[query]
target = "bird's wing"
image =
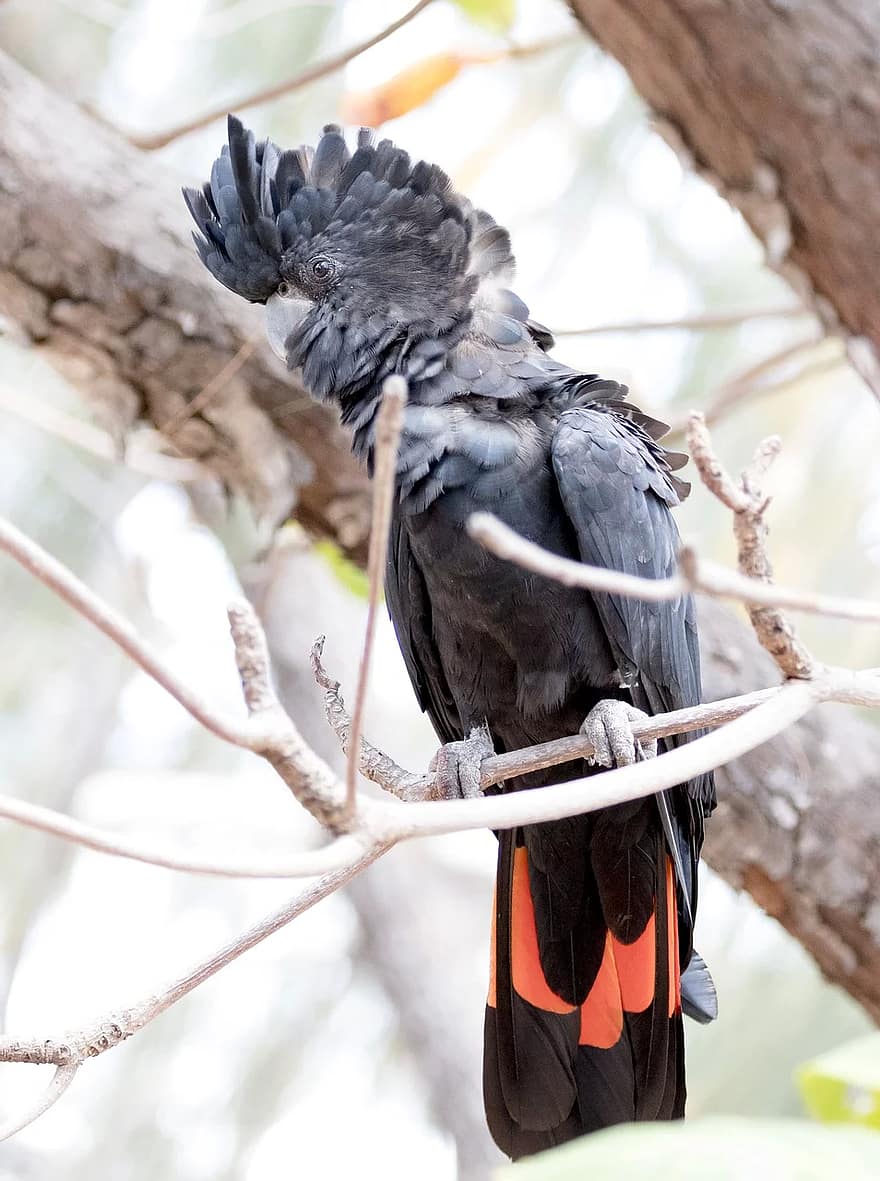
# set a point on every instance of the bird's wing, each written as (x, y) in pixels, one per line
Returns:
(410, 610)
(617, 488)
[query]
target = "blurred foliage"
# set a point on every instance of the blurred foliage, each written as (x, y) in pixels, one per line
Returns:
(720, 1149)
(352, 577)
(497, 15)
(843, 1086)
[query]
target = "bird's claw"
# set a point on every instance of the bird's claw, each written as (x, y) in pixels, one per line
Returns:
(456, 765)
(609, 727)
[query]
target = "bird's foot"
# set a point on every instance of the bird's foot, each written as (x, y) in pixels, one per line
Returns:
(609, 727)
(457, 765)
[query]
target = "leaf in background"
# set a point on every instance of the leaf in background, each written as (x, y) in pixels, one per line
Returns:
(843, 1086)
(351, 576)
(407, 90)
(721, 1148)
(497, 15)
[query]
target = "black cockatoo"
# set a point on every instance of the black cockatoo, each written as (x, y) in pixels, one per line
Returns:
(370, 264)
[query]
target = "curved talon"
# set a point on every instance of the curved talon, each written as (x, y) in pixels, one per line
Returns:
(457, 765)
(608, 726)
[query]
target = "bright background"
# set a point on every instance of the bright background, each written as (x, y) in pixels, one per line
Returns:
(296, 1060)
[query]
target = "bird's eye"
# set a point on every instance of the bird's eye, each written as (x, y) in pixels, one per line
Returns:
(284, 289)
(321, 268)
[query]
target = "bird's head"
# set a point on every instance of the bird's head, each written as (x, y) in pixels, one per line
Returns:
(366, 261)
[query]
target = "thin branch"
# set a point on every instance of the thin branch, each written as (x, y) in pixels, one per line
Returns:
(322, 69)
(695, 573)
(212, 387)
(61, 1080)
(64, 583)
(373, 763)
(310, 863)
(498, 768)
(703, 322)
(389, 424)
(71, 1049)
(748, 504)
(602, 790)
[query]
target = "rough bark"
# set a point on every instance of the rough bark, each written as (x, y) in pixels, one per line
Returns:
(100, 273)
(777, 103)
(97, 269)
(797, 823)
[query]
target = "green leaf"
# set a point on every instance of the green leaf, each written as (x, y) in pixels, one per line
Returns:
(497, 15)
(843, 1086)
(351, 576)
(723, 1148)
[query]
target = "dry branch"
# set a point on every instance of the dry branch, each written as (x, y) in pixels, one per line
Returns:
(389, 424)
(748, 504)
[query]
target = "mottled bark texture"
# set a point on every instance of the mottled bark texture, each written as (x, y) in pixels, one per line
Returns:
(777, 103)
(99, 272)
(798, 819)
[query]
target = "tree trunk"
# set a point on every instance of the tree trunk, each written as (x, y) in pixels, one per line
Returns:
(777, 103)
(101, 274)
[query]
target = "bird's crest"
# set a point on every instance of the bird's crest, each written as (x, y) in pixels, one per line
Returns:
(261, 202)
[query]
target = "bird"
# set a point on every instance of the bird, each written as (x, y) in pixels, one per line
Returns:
(371, 264)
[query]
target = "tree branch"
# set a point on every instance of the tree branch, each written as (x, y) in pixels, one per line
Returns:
(748, 505)
(70, 1050)
(389, 424)
(696, 574)
(742, 99)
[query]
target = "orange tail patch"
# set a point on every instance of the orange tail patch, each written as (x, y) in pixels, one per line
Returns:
(625, 982)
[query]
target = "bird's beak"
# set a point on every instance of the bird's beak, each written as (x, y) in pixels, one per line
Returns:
(283, 317)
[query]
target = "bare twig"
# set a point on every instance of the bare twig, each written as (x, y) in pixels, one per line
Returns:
(322, 69)
(744, 723)
(268, 731)
(309, 863)
(389, 424)
(695, 573)
(70, 1050)
(704, 322)
(373, 763)
(748, 504)
(63, 582)
(212, 387)
(738, 393)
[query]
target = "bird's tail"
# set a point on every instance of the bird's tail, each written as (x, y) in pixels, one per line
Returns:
(564, 1059)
